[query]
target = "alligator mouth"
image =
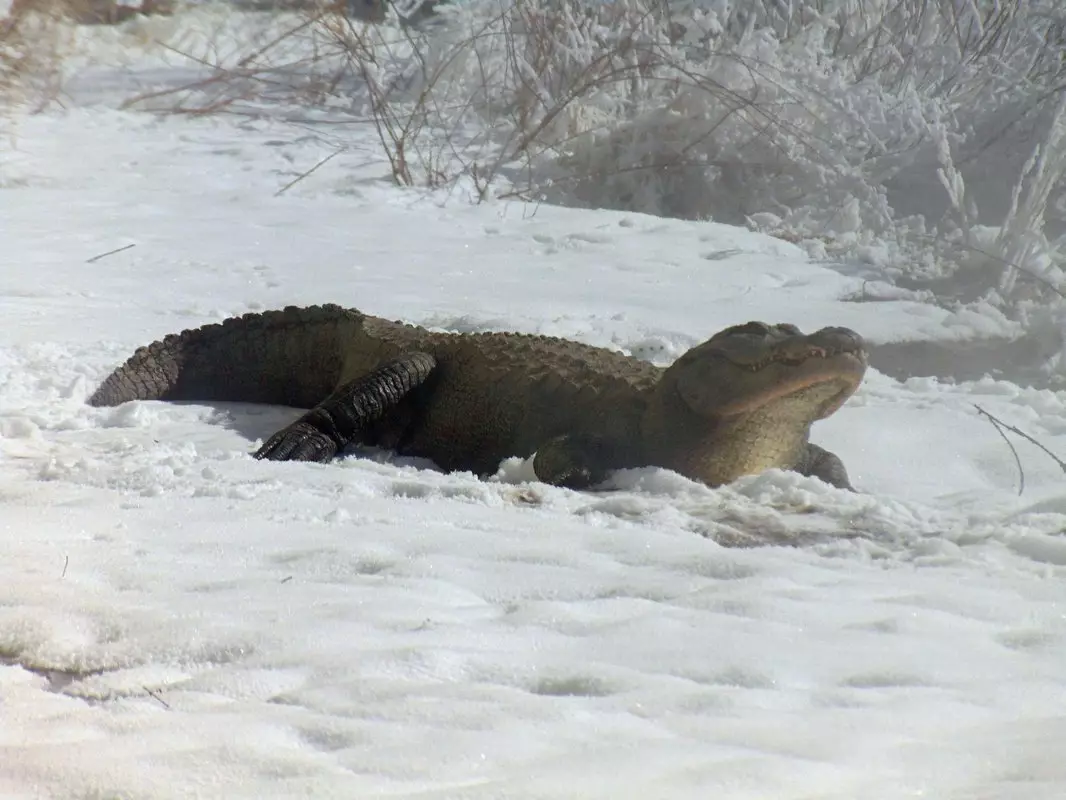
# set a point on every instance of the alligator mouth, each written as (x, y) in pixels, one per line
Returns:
(823, 381)
(749, 367)
(795, 356)
(821, 374)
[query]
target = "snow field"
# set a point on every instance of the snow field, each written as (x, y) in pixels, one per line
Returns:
(178, 620)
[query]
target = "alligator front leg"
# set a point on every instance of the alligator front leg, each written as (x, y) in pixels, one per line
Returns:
(339, 419)
(820, 463)
(577, 461)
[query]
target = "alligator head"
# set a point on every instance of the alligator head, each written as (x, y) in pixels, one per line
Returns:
(744, 400)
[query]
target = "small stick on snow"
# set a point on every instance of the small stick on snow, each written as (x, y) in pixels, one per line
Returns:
(155, 696)
(66, 563)
(109, 253)
(1001, 426)
(299, 178)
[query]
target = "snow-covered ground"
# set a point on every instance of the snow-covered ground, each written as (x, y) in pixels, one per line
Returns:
(178, 620)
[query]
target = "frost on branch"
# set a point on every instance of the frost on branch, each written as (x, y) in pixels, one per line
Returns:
(896, 122)
(923, 137)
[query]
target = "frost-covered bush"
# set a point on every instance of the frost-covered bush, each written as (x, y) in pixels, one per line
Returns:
(32, 45)
(922, 136)
(902, 130)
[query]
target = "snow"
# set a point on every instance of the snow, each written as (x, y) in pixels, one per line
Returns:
(178, 620)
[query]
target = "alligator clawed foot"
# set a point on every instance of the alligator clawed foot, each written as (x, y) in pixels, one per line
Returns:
(572, 461)
(300, 441)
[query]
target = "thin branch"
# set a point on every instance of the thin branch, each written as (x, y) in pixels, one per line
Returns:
(998, 425)
(155, 696)
(300, 177)
(1001, 424)
(109, 253)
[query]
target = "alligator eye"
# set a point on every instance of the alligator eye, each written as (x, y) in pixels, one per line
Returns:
(755, 328)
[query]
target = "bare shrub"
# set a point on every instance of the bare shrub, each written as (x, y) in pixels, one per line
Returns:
(499, 86)
(32, 44)
(89, 12)
(400, 90)
(511, 91)
(923, 134)
(251, 64)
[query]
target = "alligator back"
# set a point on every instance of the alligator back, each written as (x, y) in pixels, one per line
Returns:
(495, 395)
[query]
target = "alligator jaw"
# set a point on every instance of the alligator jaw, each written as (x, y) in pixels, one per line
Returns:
(747, 367)
(744, 401)
(838, 375)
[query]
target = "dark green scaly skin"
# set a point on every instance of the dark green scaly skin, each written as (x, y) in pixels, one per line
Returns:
(740, 403)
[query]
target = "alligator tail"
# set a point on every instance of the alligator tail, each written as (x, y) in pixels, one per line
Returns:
(291, 357)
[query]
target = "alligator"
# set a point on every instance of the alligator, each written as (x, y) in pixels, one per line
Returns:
(740, 403)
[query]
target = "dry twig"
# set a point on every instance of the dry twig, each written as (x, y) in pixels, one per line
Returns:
(1001, 426)
(301, 176)
(109, 253)
(155, 696)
